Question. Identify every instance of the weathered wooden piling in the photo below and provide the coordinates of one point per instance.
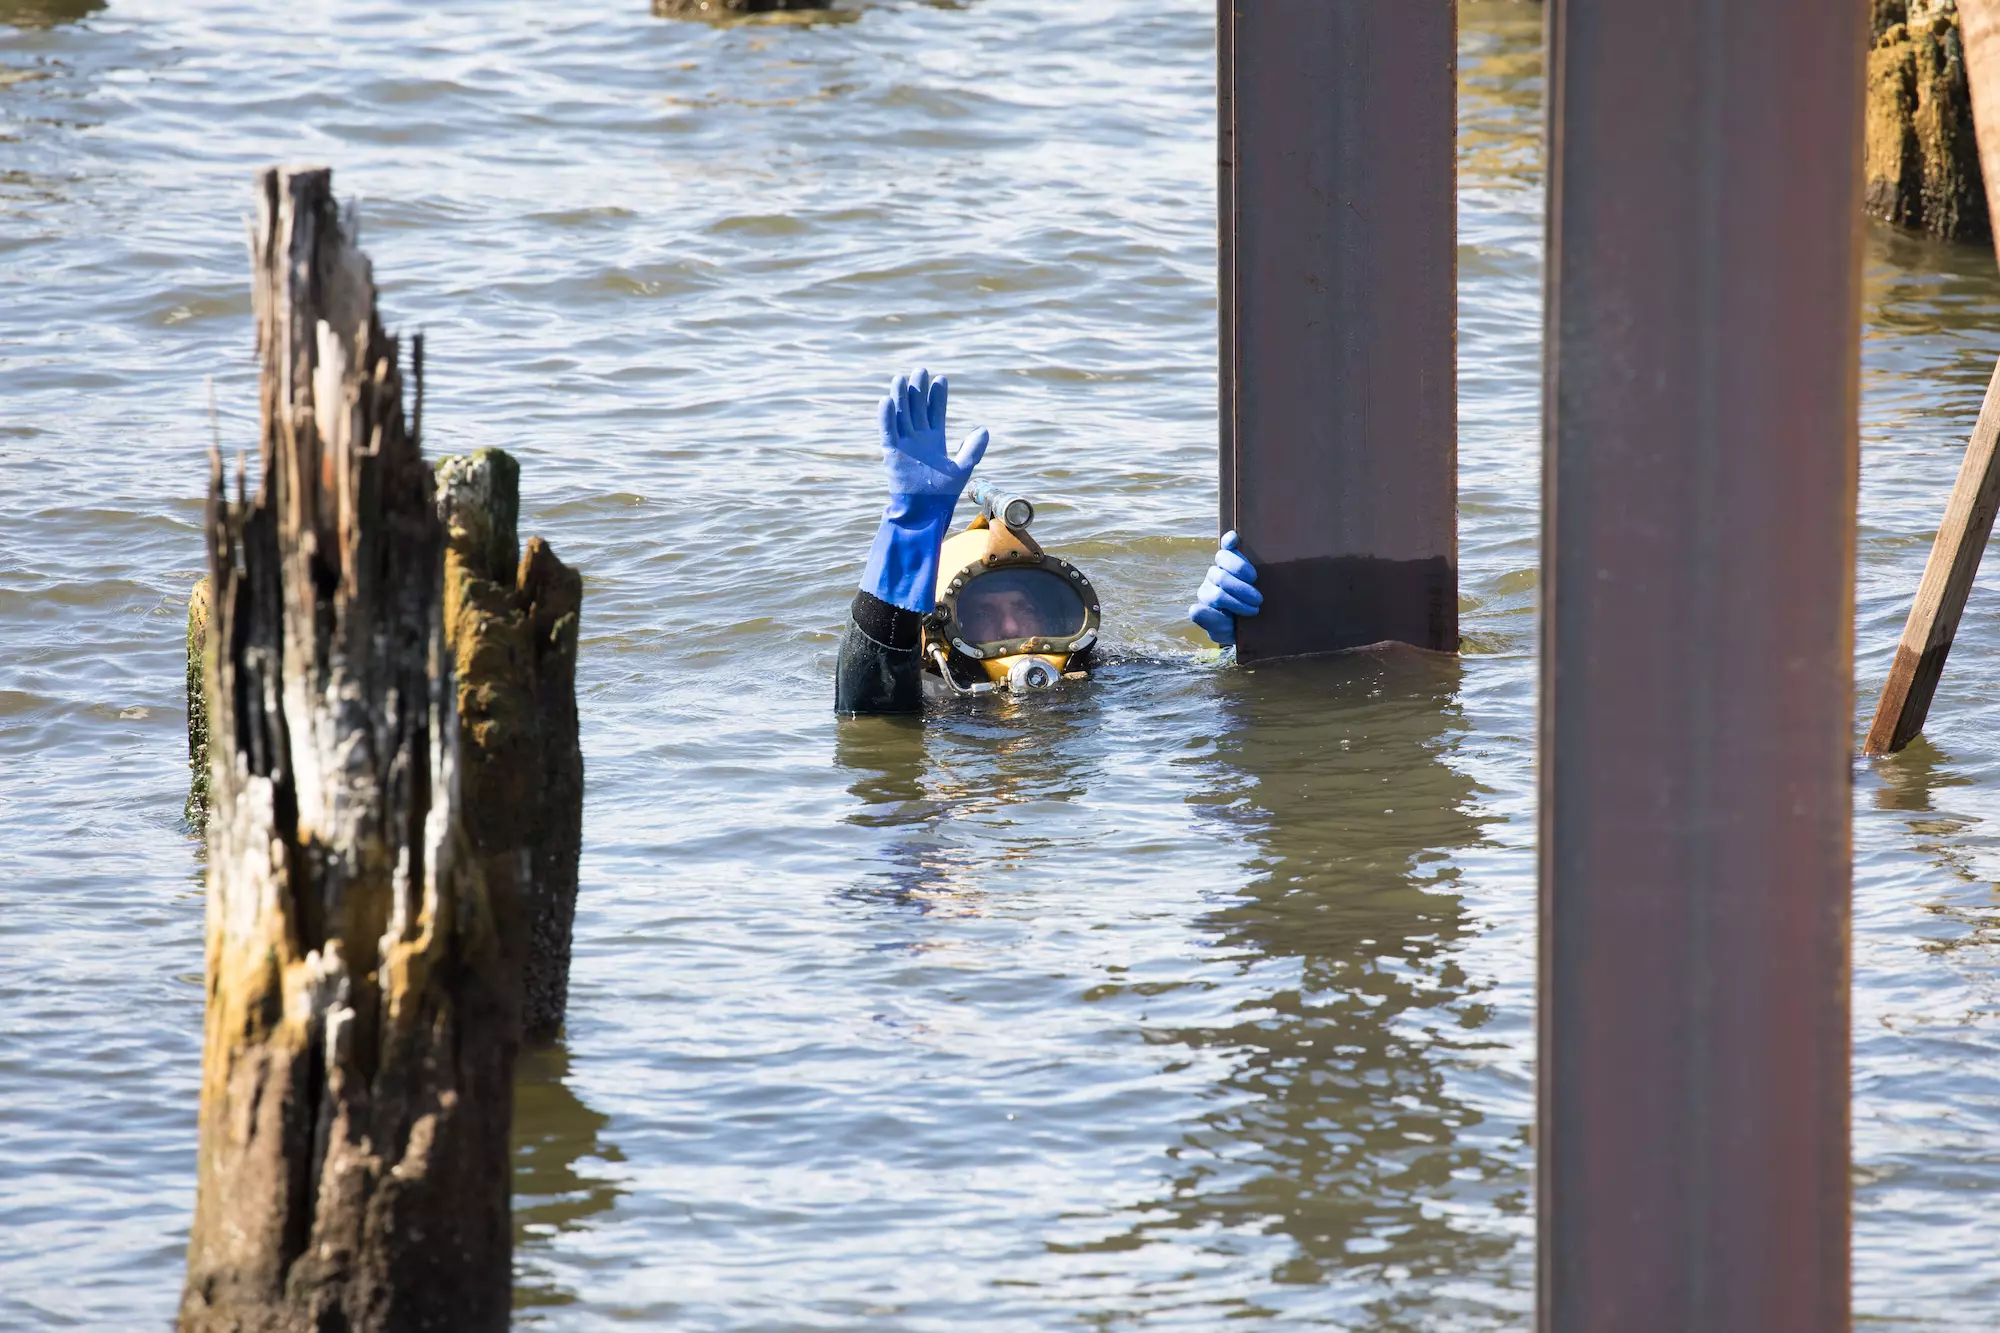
(1701, 418)
(1338, 307)
(511, 622)
(363, 977)
(1922, 162)
(700, 9)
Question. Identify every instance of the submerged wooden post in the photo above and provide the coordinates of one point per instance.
(1338, 302)
(511, 622)
(363, 984)
(1968, 516)
(1701, 411)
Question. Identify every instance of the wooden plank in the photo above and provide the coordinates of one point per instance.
(1338, 318)
(1968, 518)
(1947, 582)
(1701, 410)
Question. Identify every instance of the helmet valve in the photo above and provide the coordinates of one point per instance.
(1031, 674)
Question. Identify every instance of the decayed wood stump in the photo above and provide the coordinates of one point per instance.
(363, 978)
(696, 9)
(511, 622)
(511, 625)
(1922, 160)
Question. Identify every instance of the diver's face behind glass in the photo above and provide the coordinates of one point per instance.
(1006, 615)
(1019, 604)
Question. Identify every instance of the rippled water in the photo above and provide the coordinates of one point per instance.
(1197, 994)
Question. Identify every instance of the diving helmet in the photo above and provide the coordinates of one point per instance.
(1009, 615)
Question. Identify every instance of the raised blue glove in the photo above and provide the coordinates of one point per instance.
(924, 486)
(1229, 591)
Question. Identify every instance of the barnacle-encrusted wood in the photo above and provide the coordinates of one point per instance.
(362, 981)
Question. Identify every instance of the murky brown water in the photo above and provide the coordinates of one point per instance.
(1198, 994)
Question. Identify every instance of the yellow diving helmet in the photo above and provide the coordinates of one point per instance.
(1009, 615)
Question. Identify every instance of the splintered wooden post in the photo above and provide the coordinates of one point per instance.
(363, 979)
(1968, 516)
(1338, 304)
(511, 623)
(1700, 411)
(1947, 581)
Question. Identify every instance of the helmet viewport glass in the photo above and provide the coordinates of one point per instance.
(1009, 604)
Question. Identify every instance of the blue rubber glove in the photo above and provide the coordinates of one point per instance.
(924, 486)
(1229, 591)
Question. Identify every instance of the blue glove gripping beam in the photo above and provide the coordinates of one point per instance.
(1228, 590)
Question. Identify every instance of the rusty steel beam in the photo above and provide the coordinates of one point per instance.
(1338, 285)
(1700, 418)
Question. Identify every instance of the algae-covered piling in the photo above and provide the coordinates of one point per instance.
(196, 809)
(511, 623)
(1922, 159)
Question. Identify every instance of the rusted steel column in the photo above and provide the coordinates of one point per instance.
(1697, 697)
(1338, 318)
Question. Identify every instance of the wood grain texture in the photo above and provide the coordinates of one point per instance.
(1946, 584)
(363, 978)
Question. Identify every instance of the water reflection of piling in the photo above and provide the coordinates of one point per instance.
(1344, 1129)
(555, 1134)
(46, 13)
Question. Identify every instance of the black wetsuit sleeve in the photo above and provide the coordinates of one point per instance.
(881, 667)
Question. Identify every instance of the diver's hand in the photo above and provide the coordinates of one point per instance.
(1227, 592)
(913, 448)
(925, 482)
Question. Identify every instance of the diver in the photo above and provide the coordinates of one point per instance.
(986, 609)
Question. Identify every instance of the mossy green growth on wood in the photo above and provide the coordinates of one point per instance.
(196, 809)
(479, 499)
(1923, 167)
(510, 623)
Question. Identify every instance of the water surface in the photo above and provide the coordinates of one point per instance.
(1197, 995)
